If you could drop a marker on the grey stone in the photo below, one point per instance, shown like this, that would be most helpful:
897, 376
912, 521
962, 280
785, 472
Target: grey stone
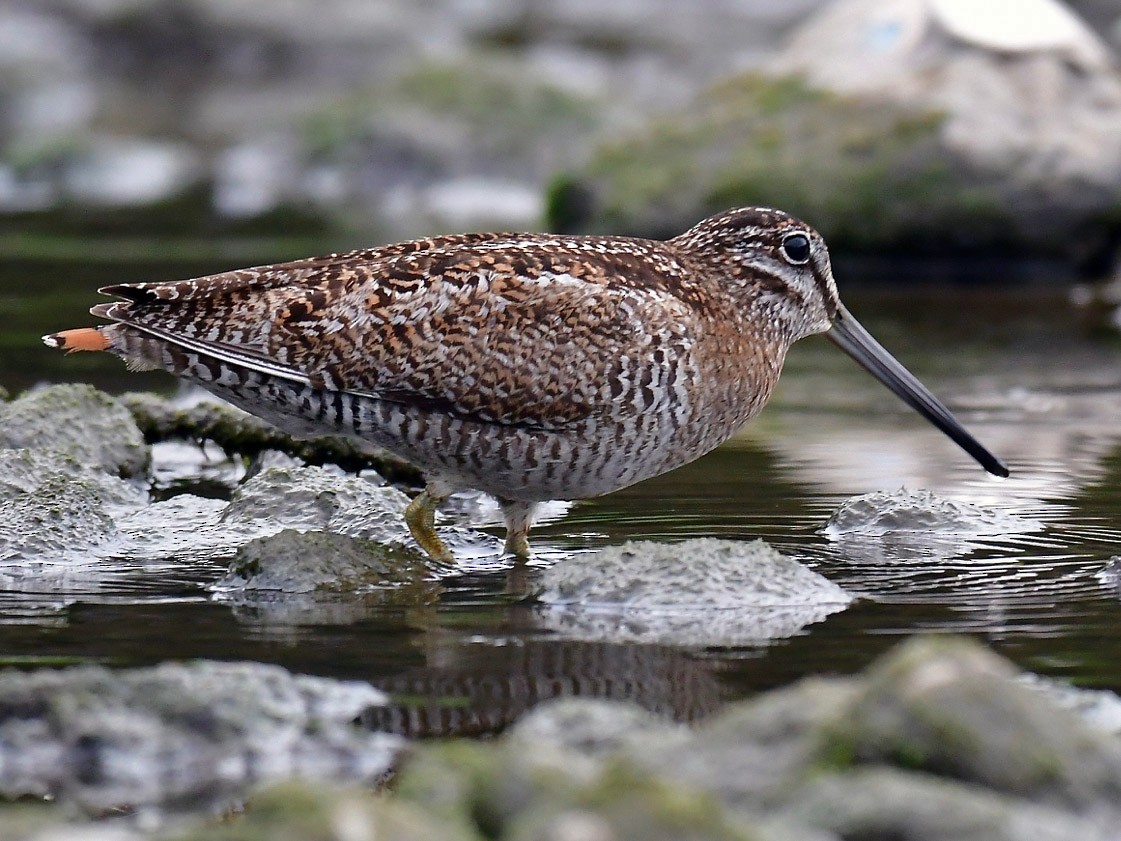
698, 592
1034, 95
316, 499
785, 766
947, 707
893, 136
194, 735
54, 509
756, 754
78, 421
312, 498
545, 793
922, 513
1032, 100
591, 727
326, 563
938, 740
301, 811
888, 803
1097, 707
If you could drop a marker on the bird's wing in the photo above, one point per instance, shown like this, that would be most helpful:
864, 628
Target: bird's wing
512, 329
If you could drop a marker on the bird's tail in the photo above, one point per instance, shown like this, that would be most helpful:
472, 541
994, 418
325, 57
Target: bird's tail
81, 338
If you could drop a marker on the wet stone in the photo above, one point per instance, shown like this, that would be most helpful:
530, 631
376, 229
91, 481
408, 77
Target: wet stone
886, 803
326, 563
506, 791
788, 765
196, 416
815, 761
920, 512
194, 735
1097, 707
50, 505
703, 592
312, 498
320, 499
79, 421
950, 708
755, 754
300, 811
592, 727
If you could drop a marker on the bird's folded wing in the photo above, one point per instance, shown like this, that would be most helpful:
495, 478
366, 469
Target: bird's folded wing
496, 328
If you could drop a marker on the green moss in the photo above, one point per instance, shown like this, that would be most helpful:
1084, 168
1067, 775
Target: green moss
870, 177
500, 791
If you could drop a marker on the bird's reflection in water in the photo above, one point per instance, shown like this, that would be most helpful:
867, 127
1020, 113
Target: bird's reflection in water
479, 689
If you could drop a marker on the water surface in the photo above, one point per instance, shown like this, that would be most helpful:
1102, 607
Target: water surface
1018, 366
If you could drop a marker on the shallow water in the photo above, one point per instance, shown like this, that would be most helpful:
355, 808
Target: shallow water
1019, 367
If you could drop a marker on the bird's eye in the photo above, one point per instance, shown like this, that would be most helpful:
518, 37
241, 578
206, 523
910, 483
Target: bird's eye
796, 249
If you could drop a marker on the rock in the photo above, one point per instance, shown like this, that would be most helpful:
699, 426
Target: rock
312, 498
938, 740
920, 513
1028, 99
658, 593
194, 735
952, 709
301, 811
199, 417
1097, 707
44, 822
593, 728
754, 755
883, 803
315, 562
52, 507
78, 421
509, 792
364, 100
911, 128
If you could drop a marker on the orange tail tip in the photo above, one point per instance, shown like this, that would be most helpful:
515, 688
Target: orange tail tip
83, 338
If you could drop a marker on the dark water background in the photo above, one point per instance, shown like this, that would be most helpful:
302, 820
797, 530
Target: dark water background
1023, 369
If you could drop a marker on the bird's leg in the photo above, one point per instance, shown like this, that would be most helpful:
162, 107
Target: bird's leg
519, 519
421, 519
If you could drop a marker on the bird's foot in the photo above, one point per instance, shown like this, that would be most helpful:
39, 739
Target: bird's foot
420, 517
517, 544
518, 515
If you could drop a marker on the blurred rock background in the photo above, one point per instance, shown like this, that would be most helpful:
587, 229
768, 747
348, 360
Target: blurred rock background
380, 119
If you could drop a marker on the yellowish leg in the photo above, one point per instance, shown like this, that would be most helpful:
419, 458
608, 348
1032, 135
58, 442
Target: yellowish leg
519, 520
517, 544
421, 519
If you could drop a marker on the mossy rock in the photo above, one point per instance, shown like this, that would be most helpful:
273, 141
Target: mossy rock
308, 812
505, 791
948, 707
324, 563
78, 421
871, 177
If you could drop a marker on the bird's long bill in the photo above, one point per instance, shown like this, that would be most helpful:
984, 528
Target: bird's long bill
847, 334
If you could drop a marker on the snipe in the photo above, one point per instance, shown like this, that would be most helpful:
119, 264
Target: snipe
529, 366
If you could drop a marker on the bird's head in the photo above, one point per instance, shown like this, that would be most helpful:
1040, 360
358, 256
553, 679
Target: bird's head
780, 267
